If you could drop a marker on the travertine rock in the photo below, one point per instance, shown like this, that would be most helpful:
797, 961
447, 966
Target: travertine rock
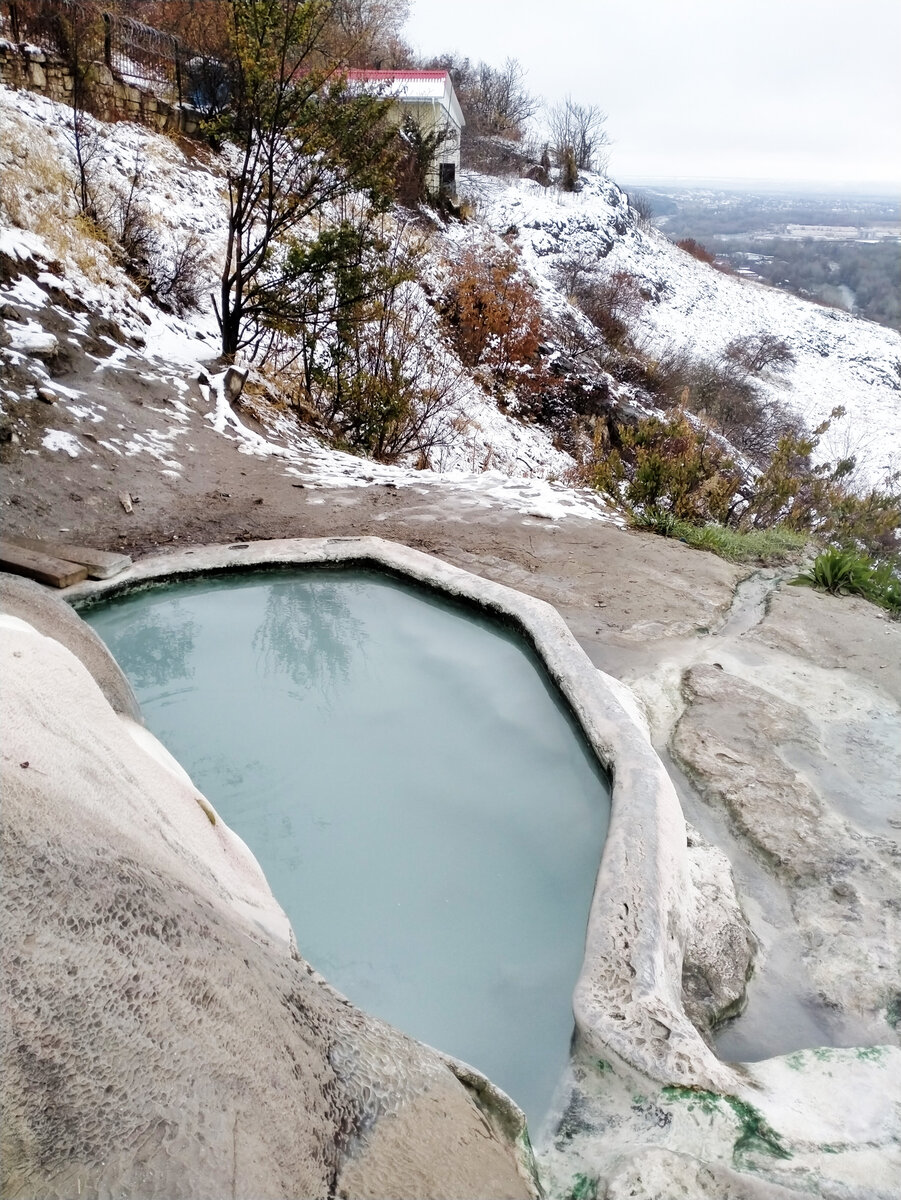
720, 948
843, 883
161, 1036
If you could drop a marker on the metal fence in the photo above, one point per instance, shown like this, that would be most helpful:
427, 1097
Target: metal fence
69, 28
143, 57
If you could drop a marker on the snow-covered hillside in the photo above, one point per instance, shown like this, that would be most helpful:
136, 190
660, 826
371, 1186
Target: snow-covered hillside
75, 326
62, 292
841, 360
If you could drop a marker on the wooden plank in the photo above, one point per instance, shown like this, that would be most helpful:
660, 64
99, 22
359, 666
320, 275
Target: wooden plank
101, 564
56, 572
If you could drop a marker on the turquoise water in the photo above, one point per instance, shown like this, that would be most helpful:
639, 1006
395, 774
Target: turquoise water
423, 805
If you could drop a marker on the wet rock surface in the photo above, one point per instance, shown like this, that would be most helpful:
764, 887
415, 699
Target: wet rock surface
720, 949
843, 883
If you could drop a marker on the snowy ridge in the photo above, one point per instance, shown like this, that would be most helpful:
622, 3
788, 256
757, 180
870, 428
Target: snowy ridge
841, 360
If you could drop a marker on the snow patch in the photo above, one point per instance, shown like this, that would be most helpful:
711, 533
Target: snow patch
58, 439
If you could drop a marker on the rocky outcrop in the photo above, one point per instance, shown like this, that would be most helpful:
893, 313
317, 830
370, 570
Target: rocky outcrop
162, 1036
734, 739
720, 949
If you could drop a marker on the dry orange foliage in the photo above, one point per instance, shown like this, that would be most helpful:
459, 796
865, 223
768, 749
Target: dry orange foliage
493, 314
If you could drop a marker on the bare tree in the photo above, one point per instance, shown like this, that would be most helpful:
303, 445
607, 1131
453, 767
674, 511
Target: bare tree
578, 134
299, 141
500, 101
494, 100
77, 31
363, 33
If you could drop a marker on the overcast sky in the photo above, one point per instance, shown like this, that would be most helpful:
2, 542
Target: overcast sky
792, 90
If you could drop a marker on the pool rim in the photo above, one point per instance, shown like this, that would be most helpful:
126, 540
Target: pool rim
627, 1000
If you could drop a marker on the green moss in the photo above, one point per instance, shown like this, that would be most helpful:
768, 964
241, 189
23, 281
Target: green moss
706, 1102
756, 1136
583, 1188
870, 1053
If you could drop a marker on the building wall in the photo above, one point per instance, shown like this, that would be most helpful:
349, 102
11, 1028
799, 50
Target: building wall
430, 116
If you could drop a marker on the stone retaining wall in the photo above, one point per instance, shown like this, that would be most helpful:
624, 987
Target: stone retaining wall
26, 67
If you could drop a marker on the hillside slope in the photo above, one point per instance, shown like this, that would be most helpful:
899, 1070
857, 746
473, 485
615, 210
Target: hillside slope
78, 331
694, 308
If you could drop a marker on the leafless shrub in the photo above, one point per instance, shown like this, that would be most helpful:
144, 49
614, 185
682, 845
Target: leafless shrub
573, 271
130, 227
578, 135
642, 206
181, 272
611, 303
756, 351
173, 270
727, 400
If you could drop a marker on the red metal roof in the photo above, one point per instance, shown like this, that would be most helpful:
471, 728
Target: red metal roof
362, 73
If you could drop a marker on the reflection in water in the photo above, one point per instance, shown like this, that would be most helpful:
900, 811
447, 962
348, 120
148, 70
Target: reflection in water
157, 644
308, 634
412, 786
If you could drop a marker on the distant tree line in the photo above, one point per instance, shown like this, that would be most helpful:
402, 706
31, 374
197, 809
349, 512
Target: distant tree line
822, 270
703, 213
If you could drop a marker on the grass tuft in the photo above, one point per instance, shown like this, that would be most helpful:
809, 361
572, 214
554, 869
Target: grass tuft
766, 546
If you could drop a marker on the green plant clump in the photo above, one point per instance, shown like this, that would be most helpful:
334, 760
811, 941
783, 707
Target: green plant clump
850, 572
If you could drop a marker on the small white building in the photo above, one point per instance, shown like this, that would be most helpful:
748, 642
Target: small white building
429, 97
